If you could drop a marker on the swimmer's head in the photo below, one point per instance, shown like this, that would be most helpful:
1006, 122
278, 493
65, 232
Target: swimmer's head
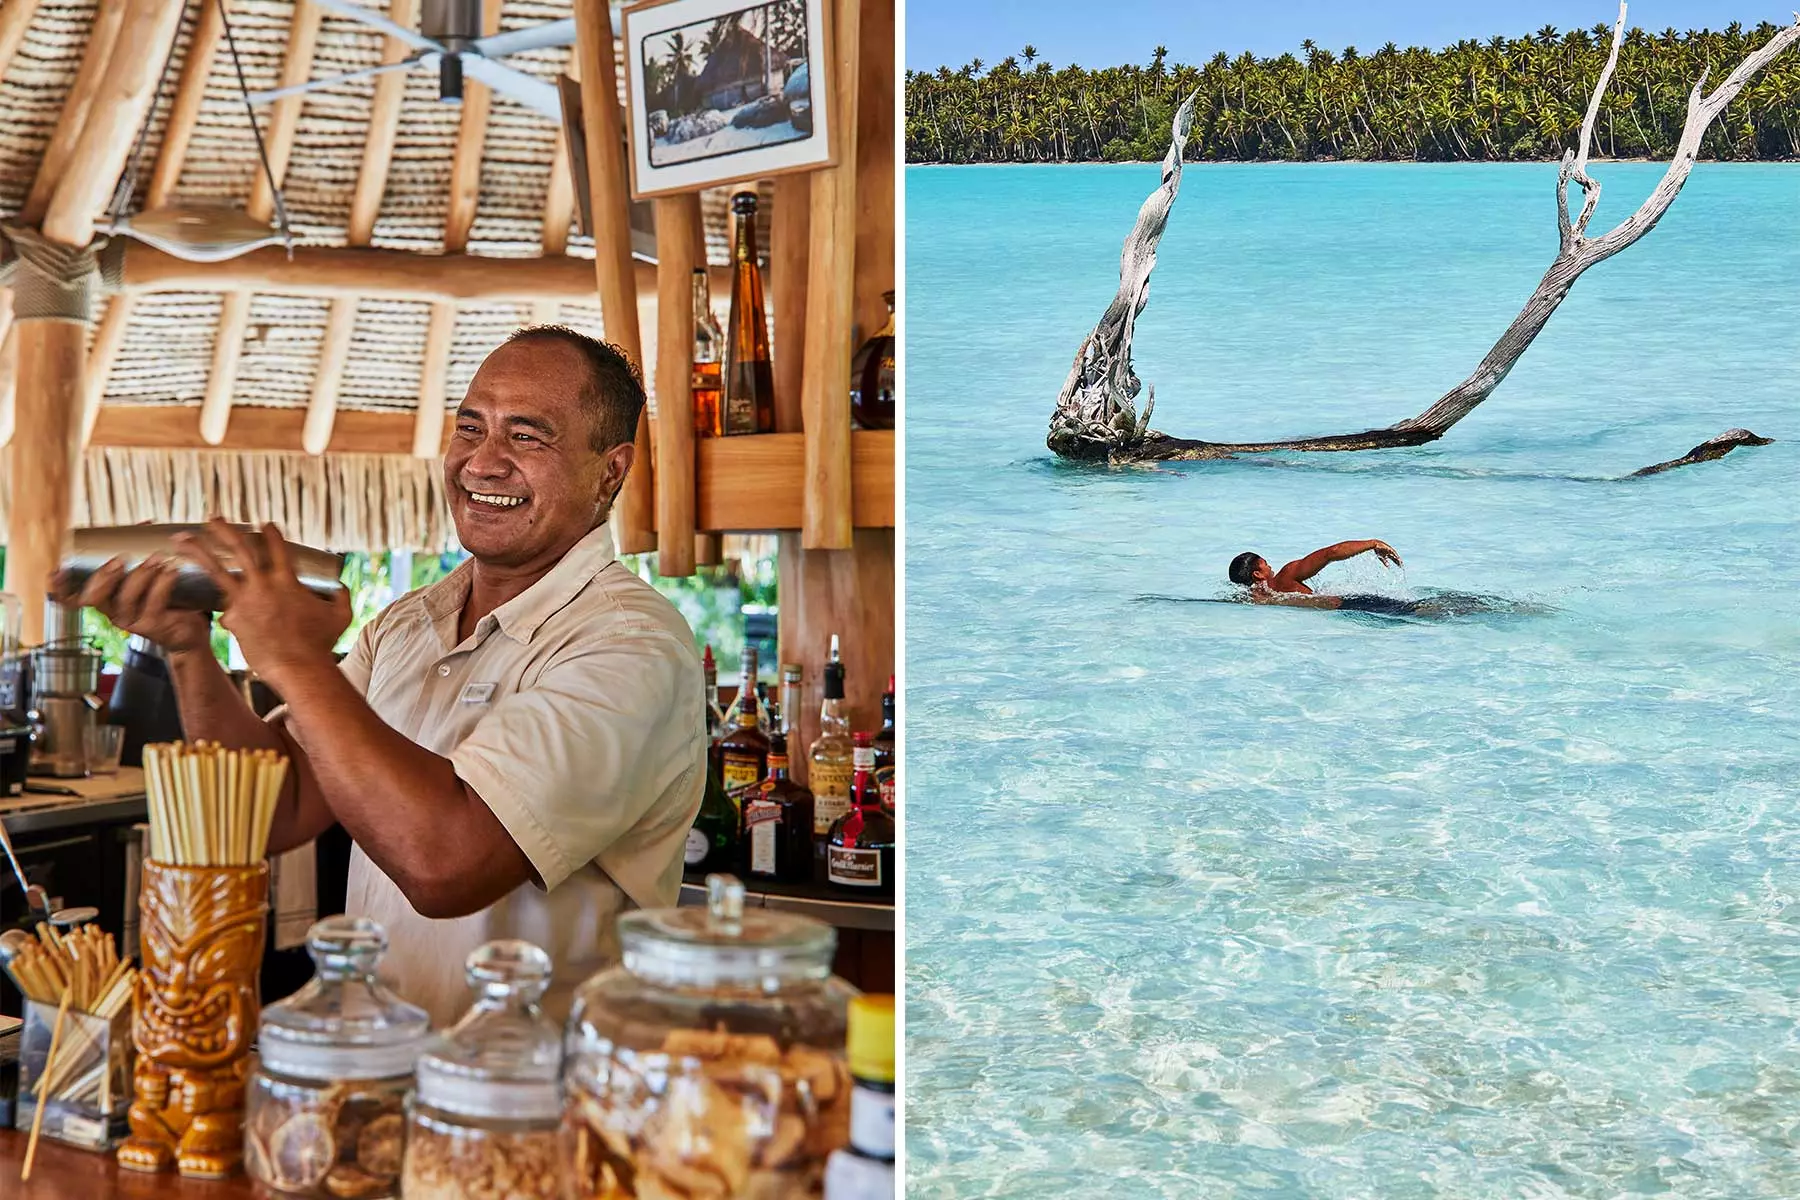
1249, 569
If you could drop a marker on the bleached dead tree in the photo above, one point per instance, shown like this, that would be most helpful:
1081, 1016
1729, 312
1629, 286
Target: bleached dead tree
1096, 415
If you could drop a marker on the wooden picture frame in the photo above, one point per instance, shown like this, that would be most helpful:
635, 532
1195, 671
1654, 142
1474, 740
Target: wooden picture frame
759, 103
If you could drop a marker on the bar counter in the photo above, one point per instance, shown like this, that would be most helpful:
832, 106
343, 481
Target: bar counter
65, 1173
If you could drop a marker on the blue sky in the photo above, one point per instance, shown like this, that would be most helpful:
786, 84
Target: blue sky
951, 32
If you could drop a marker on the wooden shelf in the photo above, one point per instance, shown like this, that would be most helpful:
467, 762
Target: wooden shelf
754, 483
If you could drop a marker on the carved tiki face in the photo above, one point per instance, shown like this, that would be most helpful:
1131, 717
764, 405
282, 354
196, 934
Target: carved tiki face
203, 933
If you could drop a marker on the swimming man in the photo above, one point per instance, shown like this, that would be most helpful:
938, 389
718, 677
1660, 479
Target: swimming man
1288, 585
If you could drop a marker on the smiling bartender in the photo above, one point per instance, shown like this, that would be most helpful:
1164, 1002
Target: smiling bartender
517, 750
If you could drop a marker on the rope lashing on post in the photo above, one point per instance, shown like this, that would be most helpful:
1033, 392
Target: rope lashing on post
51, 281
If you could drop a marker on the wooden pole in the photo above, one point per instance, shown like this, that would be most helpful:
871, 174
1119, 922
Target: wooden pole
559, 208
365, 207
321, 407
52, 360
119, 108
677, 251
709, 548
609, 190
332, 271
789, 222
284, 124
15, 19
384, 127
171, 157
874, 270
824, 403
459, 218
103, 35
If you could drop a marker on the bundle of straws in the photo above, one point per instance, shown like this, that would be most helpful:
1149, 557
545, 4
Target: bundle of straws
209, 806
79, 970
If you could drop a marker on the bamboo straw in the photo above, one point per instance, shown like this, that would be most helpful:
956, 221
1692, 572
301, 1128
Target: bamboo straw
37, 1118
210, 806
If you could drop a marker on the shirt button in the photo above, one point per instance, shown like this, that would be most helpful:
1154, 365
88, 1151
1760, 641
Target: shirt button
444, 671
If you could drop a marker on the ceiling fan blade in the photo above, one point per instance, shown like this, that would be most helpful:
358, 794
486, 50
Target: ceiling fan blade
368, 16
528, 90
317, 84
537, 37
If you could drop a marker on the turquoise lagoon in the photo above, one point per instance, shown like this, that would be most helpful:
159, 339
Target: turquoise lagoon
1212, 900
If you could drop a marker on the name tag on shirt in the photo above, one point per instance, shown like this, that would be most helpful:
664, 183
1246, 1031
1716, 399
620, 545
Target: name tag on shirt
477, 693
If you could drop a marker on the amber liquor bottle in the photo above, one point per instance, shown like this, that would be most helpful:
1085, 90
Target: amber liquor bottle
709, 355
778, 823
860, 853
744, 750
829, 763
749, 379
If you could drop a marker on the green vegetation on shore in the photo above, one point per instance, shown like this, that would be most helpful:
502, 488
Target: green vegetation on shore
1498, 100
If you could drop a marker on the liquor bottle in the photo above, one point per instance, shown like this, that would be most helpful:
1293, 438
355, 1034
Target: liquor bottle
744, 750
778, 823
790, 697
715, 719
713, 842
861, 850
709, 356
872, 377
829, 762
749, 379
886, 764
864, 1170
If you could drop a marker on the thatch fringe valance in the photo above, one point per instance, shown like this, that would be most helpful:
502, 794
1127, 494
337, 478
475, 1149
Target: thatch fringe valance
338, 502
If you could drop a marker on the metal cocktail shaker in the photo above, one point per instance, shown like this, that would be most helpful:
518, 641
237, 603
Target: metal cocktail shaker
194, 589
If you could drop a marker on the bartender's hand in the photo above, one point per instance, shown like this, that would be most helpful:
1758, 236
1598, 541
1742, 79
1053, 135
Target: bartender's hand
278, 622
137, 601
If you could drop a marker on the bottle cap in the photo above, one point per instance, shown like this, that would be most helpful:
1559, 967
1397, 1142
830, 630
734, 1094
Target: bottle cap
862, 739
870, 1045
743, 202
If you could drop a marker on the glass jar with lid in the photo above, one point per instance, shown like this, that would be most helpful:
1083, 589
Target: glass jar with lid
710, 1061
324, 1116
483, 1120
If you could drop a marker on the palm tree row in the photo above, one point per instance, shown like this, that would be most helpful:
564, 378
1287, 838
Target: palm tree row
1502, 99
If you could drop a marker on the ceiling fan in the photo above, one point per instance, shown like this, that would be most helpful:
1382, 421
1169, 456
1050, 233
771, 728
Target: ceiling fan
449, 39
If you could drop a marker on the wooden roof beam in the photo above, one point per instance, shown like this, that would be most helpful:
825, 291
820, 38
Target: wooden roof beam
331, 271
459, 218
284, 124
118, 109
171, 157
15, 19
609, 191
103, 35
365, 207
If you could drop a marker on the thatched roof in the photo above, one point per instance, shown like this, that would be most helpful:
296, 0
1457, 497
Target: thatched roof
167, 350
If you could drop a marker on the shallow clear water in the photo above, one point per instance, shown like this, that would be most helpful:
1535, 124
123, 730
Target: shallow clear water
1220, 900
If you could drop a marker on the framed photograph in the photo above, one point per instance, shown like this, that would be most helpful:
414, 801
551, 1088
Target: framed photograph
725, 90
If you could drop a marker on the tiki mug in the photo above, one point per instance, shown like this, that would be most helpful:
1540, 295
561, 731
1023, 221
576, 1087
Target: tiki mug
202, 938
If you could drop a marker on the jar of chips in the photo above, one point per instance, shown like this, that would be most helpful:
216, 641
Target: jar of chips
325, 1113
482, 1123
709, 1063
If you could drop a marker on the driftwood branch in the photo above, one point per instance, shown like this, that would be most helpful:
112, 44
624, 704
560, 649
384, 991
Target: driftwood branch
1095, 416
1706, 451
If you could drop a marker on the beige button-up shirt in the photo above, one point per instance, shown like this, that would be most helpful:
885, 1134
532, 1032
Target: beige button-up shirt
576, 712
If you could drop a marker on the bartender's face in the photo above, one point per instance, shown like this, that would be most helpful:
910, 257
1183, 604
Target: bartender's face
523, 477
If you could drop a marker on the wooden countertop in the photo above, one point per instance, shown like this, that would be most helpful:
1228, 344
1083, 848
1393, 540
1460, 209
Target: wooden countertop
65, 1173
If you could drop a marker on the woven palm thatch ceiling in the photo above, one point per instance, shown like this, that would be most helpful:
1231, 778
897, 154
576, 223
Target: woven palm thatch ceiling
167, 348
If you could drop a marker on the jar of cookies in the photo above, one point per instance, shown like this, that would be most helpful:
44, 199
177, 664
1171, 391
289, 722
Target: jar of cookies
709, 1063
482, 1123
325, 1111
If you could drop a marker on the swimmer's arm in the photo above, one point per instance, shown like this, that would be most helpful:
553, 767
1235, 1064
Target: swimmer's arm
1302, 569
